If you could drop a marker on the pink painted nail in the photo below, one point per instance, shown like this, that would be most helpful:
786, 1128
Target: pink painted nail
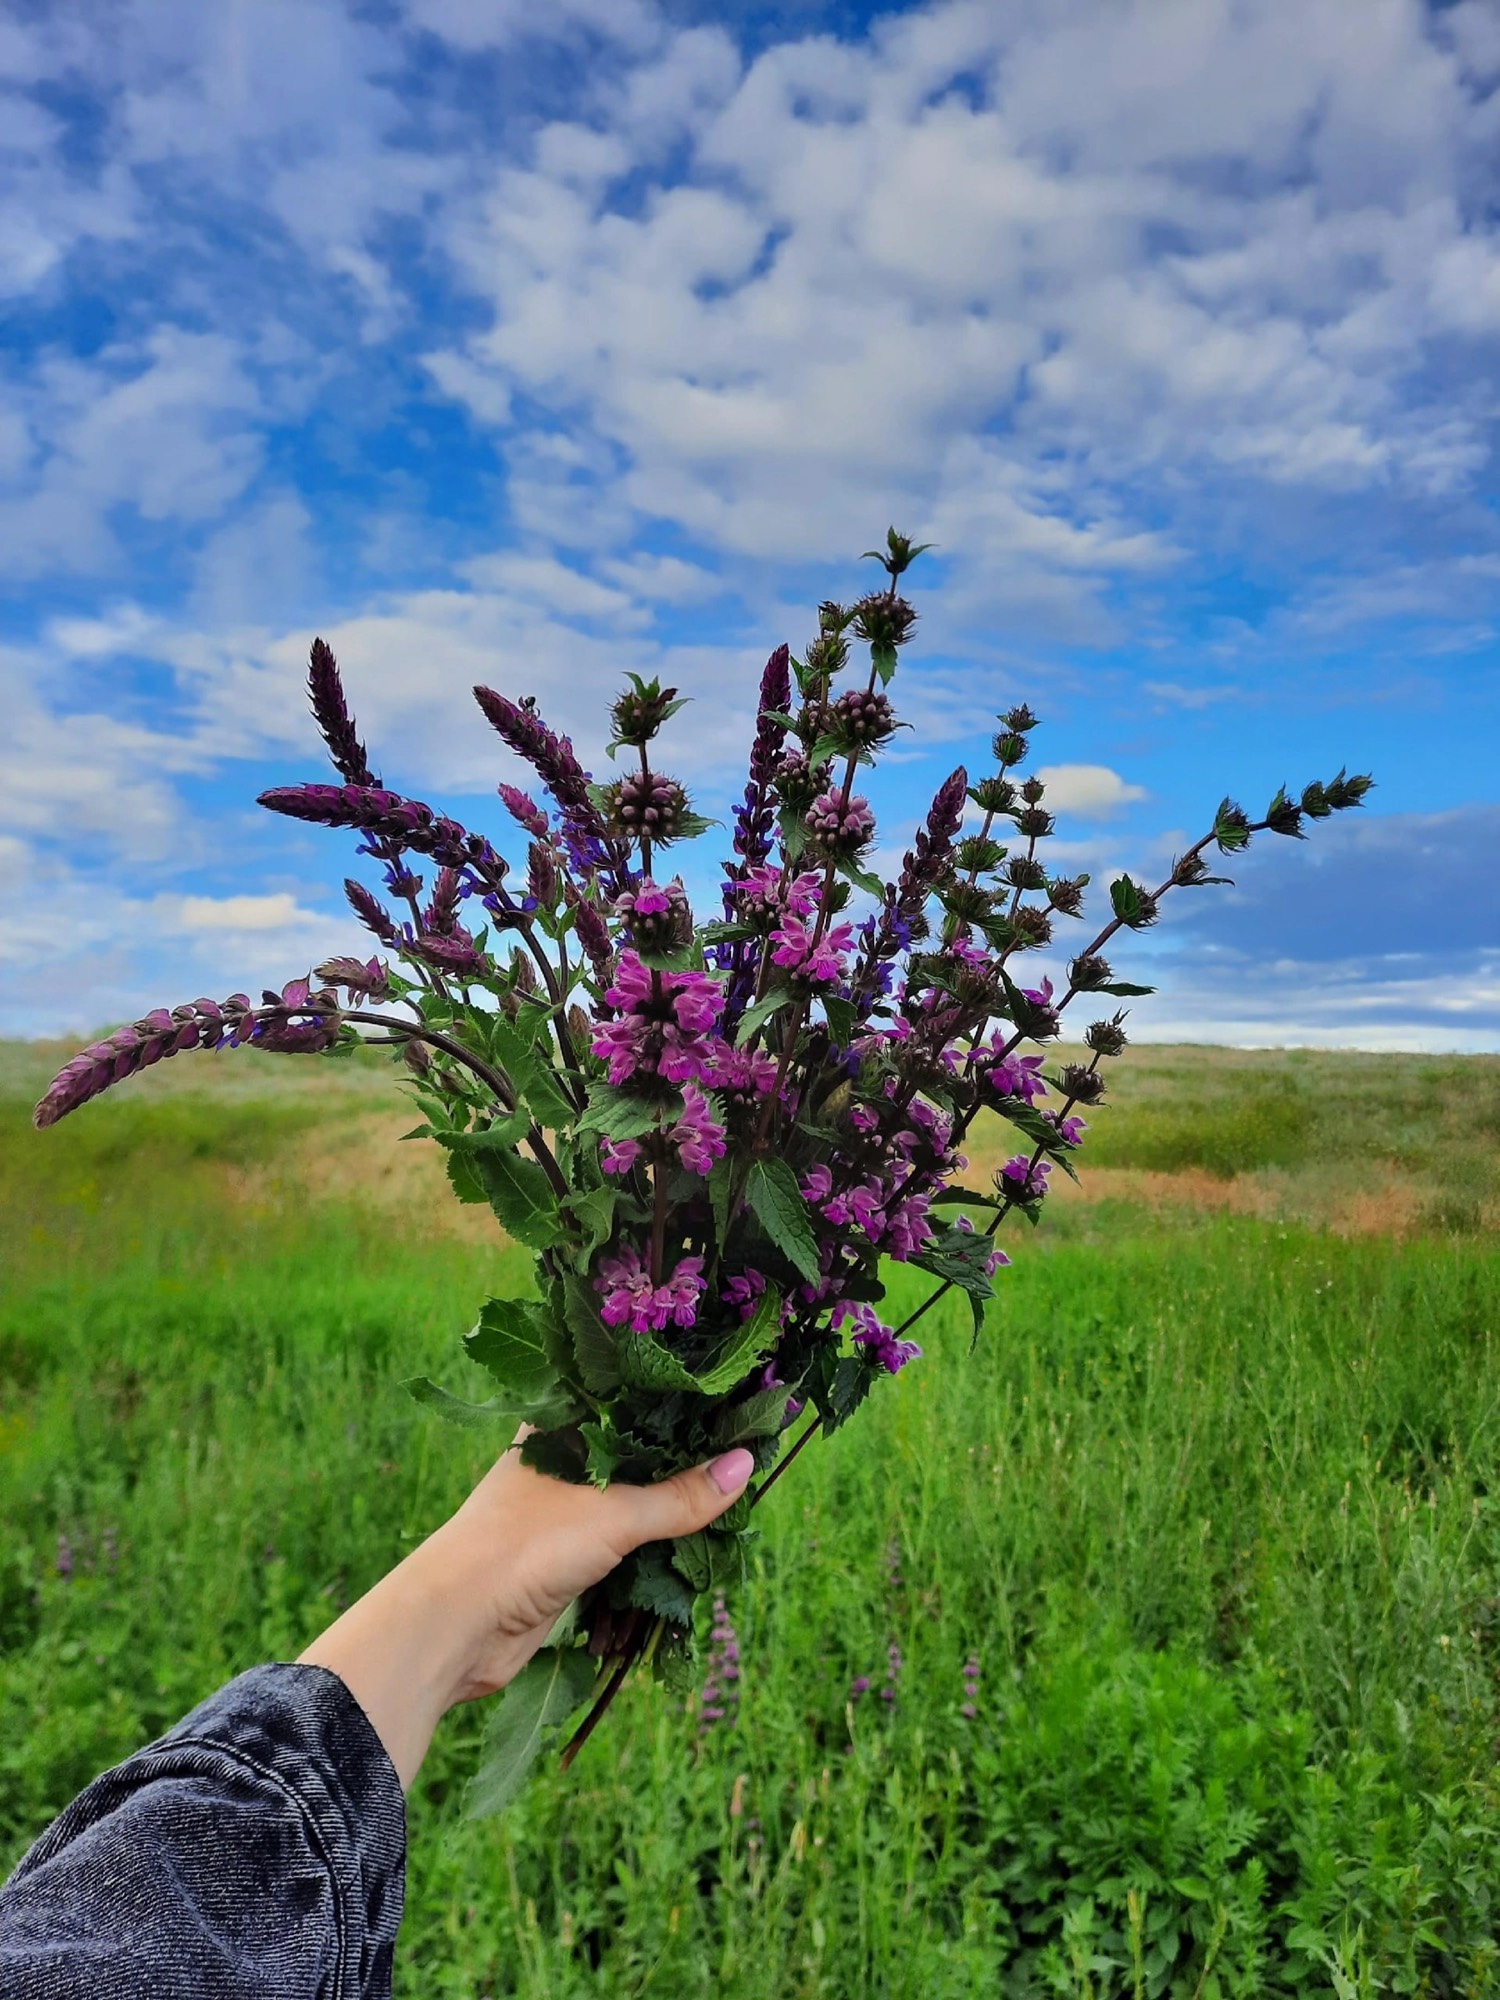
730, 1472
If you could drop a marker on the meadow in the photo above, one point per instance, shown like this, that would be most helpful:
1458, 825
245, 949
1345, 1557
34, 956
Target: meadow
1212, 1511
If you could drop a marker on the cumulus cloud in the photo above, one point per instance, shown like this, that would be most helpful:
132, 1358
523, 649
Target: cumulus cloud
1090, 790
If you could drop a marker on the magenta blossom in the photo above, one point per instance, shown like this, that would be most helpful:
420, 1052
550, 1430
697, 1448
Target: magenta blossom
1021, 1180
818, 965
664, 1017
880, 1344
697, 1135
743, 1293
997, 1259
631, 1300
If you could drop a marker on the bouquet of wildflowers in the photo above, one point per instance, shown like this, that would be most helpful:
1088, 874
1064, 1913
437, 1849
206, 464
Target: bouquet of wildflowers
710, 1130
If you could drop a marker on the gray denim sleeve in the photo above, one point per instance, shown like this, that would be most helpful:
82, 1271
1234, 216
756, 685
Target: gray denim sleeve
257, 1850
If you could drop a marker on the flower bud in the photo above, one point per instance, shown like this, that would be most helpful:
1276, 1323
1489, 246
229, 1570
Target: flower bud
1024, 871
1009, 748
641, 710
1081, 1083
656, 918
1036, 821
1284, 815
646, 805
860, 719
541, 874
798, 783
993, 795
1033, 927
881, 620
1106, 1038
1020, 720
838, 828
1065, 895
1089, 971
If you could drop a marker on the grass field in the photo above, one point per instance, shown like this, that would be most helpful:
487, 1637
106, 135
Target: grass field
1215, 1506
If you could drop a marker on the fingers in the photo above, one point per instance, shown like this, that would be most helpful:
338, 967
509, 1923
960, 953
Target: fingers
679, 1505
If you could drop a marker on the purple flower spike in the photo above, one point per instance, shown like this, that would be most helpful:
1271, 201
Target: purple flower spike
389, 817
551, 757
373, 914
144, 1042
326, 692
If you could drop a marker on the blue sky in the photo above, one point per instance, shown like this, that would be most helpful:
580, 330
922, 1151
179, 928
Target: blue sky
531, 344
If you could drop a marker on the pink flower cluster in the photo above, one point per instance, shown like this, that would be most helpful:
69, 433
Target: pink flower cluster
762, 894
810, 962
664, 1020
878, 1341
631, 1300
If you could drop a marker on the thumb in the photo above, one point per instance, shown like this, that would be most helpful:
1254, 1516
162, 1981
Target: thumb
679, 1505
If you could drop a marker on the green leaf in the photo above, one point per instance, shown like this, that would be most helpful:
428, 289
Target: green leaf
689, 825
746, 1345
1132, 905
548, 1689
754, 1018
656, 1586
594, 1212
851, 1384
842, 1017
536, 1083
950, 1197
466, 1183
593, 1343
883, 660
521, 1196
692, 1562
646, 1364
862, 879
557, 1408
759, 1416
560, 1453
720, 1193
510, 1341
604, 1450
1121, 991
615, 1116
775, 1197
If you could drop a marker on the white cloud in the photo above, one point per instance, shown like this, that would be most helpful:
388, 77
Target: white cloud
1090, 790
240, 914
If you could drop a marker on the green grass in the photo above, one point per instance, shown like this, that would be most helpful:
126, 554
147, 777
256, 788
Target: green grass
1215, 1503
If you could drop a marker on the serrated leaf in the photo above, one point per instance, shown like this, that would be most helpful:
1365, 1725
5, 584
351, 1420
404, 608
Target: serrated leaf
759, 1416
692, 1562
851, 1384
548, 1689
950, 1197
615, 1116
555, 1408
862, 879
883, 660
464, 1180
1122, 991
689, 825
746, 1345
754, 1018
532, 1074
594, 1212
843, 1019
593, 1343
646, 1364
656, 1586
603, 1449
521, 1196
510, 1341
721, 1193
776, 1199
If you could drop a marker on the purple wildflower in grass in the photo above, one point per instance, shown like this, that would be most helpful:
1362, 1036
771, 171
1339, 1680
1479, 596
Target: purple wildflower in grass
858, 1686
1069, 1130
970, 1709
721, 1685
1002, 1075
65, 1559
894, 1662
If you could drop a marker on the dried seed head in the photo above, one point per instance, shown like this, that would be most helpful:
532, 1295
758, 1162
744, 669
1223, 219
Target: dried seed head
1106, 1038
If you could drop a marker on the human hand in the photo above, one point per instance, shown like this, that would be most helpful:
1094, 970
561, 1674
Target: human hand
466, 1610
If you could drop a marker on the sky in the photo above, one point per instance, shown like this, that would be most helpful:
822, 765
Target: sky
534, 344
